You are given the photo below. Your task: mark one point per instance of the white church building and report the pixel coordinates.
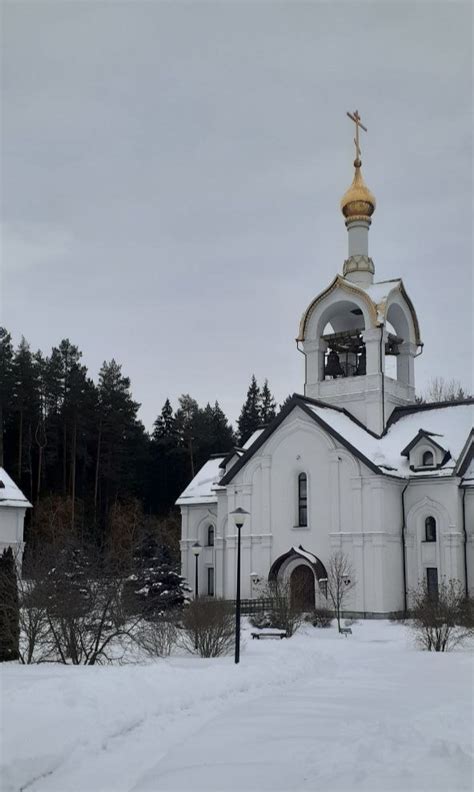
(353, 464)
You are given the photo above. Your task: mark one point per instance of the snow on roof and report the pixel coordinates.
(202, 488)
(451, 423)
(252, 438)
(10, 494)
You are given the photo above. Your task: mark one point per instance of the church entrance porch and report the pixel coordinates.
(302, 589)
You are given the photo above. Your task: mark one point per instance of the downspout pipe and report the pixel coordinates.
(404, 556)
(305, 364)
(383, 377)
(466, 582)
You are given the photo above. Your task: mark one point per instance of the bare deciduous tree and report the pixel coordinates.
(441, 390)
(341, 580)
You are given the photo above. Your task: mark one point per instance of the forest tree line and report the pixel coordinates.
(80, 453)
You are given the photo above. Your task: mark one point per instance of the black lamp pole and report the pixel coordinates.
(237, 601)
(238, 516)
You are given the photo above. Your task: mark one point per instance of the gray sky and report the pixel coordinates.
(172, 175)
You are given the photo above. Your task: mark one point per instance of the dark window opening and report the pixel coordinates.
(428, 459)
(302, 500)
(210, 536)
(430, 529)
(432, 581)
(210, 581)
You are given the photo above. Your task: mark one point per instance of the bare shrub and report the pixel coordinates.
(441, 621)
(72, 610)
(208, 627)
(282, 612)
(157, 638)
(320, 617)
(341, 580)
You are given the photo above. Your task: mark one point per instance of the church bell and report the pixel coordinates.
(333, 367)
(362, 364)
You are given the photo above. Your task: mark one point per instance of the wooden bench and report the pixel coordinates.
(345, 631)
(271, 634)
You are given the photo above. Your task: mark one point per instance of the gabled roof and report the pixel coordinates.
(10, 494)
(422, 435)
(382, 454)
(466, 456)
(305, 404)
(201, 489)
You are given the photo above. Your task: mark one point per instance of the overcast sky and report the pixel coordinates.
(171, 177)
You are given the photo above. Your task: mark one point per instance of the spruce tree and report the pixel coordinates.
(267, 405)
(9, 610)
(6, 383)
(250, 416)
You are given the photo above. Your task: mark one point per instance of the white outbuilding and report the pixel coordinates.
(13, 506)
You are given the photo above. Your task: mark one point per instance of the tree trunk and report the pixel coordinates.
(97, 465)
(64, 457)
(20, 446)
(73, 471)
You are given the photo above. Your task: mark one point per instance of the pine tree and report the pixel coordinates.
(118, 427)
(9, 610)
(25, 401)
(6, 383)
(186, 418)
(250, 416)
(267, 405)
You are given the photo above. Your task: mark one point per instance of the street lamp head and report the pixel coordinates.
(239, 516)
(196, 548)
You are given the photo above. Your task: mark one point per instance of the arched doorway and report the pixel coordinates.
(302, 588)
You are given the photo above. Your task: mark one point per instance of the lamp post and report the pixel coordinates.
(196, 548)
(238, 516)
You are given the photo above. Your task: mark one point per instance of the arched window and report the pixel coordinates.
(302, 500)
(428, 459)
(430, 529)
(210, 536)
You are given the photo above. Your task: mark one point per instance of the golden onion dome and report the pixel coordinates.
(358, 203)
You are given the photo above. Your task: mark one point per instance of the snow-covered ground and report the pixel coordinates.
(317, 712)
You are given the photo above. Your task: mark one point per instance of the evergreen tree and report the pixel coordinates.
(164, 428)
(186, 419)
(267, 405)
(9, 610)
(250, 416)
(6, 383)
(118, 426)
(25, 401)
(155, 585)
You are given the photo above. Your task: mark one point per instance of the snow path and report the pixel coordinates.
(318, 711)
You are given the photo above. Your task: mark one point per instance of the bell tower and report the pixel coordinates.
(360, 337)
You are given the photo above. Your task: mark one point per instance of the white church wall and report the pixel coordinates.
(195, 522)
(439, 498)
(469, 523)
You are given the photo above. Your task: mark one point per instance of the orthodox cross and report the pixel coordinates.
(355, 117)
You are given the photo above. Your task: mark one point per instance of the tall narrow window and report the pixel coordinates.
(210, 581)
(430, 529)
(302, 500)
(210, 536)
(432, 581)
(428, 459)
